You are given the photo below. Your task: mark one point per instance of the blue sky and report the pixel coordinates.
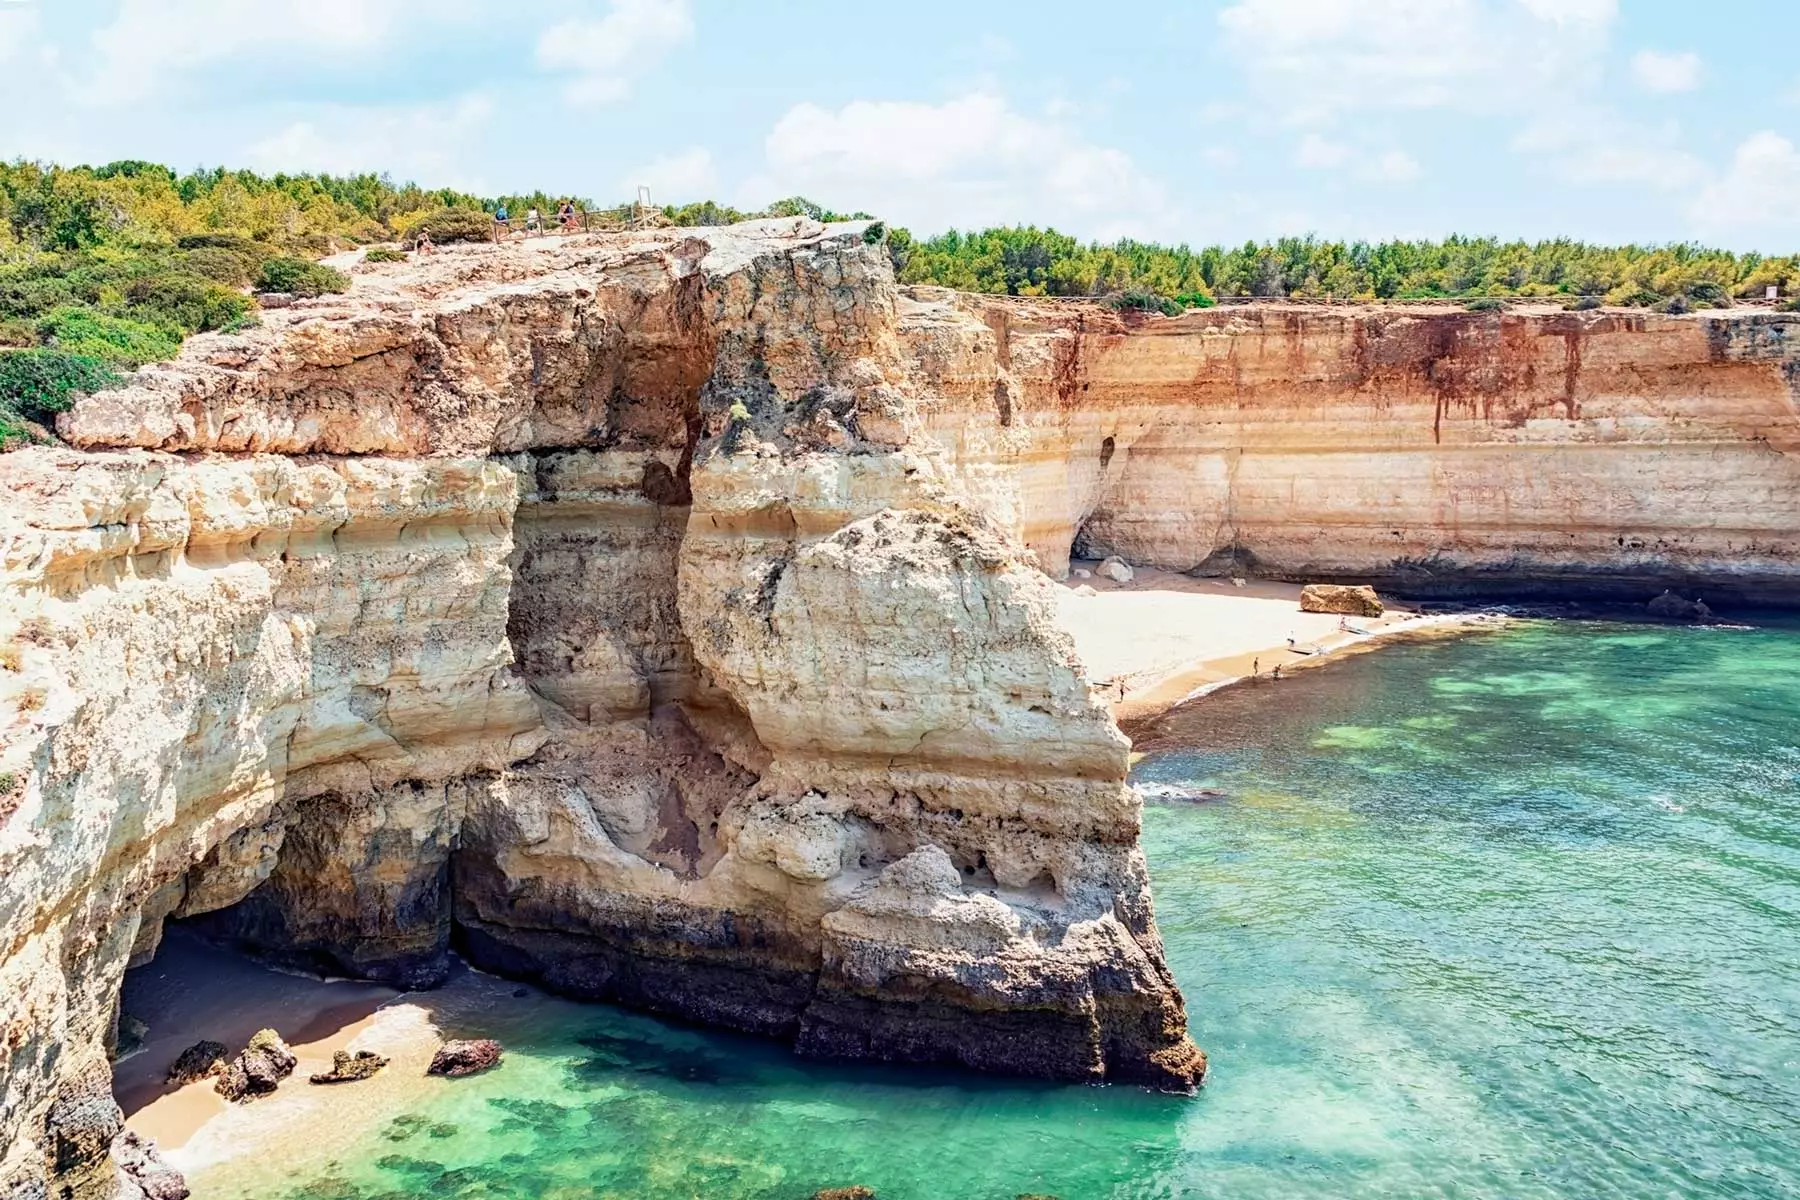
(1612, 120)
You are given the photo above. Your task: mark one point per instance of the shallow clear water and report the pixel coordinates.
(1517, 915)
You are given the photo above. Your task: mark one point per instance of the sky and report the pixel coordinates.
(1199, 121)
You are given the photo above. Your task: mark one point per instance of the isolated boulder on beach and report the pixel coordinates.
(1338, 598)
(1117, 570)
(199, 1061)
(265, 1062)
(456, 1058)
(348, 1068)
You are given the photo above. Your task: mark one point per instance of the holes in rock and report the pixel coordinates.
(1106, 452)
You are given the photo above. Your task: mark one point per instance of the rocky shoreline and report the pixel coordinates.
(671, 618)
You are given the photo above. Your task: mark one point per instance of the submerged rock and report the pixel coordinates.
(199, 1061)
(143, 1173)
(348, 1068)
(1338, 598)
(855, 1192)
(457, 1058)
(265, 1062)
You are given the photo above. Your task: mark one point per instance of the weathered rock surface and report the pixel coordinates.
(202, 1060)
(1433, 451)
(461, 608)
(259, 1069)
(349, 1068)
(1337, 598)
(457, 1058)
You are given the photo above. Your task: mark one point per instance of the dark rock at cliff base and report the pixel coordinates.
(464, 1057)
(143, 1173)
(1337, 598)
(858, 1192)
(1671, 607)
(265, 1062)
(198, 1061)
(348, 1068)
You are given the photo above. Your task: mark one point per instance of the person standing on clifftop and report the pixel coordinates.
(533, 222)
(502, 222)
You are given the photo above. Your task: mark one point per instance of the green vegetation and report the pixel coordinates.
(37, 384)
(298, 277)
(106, 268)
(1027, 261)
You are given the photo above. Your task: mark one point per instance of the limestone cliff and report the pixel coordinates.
(665, 617)
(1431, 450)
(463, 610)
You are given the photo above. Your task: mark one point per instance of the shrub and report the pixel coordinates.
(1584, 304)
(38, 384)
(84, 333)
(221, 239)
(1675, 306)
(188, 302)
(874, 233)
(1194, 300)
(1143, 300)
(454, 225)
(1708, 295)
(1486, 304)
(1791, 306)
(18, 333)
(384, 254)
(235, 268)
(300, 277)
(33, 296)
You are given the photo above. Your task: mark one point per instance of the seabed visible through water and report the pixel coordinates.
(1512, 916)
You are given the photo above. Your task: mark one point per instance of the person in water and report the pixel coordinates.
(1277, 672)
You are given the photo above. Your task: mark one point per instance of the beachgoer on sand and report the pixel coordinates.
(1278, 672)
(1255, 667)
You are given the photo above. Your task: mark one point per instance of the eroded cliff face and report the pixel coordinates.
(461, 611)
(1602, 453)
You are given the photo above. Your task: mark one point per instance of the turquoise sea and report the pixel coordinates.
(1516, 915)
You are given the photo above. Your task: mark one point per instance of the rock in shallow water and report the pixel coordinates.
(143, 1173)
(457, 1058)
(348, 1068)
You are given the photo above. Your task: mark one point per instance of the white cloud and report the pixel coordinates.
(1318, 153)
(675, 178)
(418, 142)
(967, 162)
(151, 41)
(1594, 145)
(1665, 73)
(1761, 191)
(1394, 166)
(607, 54)
(1316, 60)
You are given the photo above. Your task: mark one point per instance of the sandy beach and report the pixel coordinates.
(1166, 638)
(193, 991)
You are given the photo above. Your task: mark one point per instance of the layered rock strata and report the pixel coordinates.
(464, 610)
(664, 617)
(1428, 450)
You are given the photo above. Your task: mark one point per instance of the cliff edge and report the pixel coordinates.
(601, 608)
